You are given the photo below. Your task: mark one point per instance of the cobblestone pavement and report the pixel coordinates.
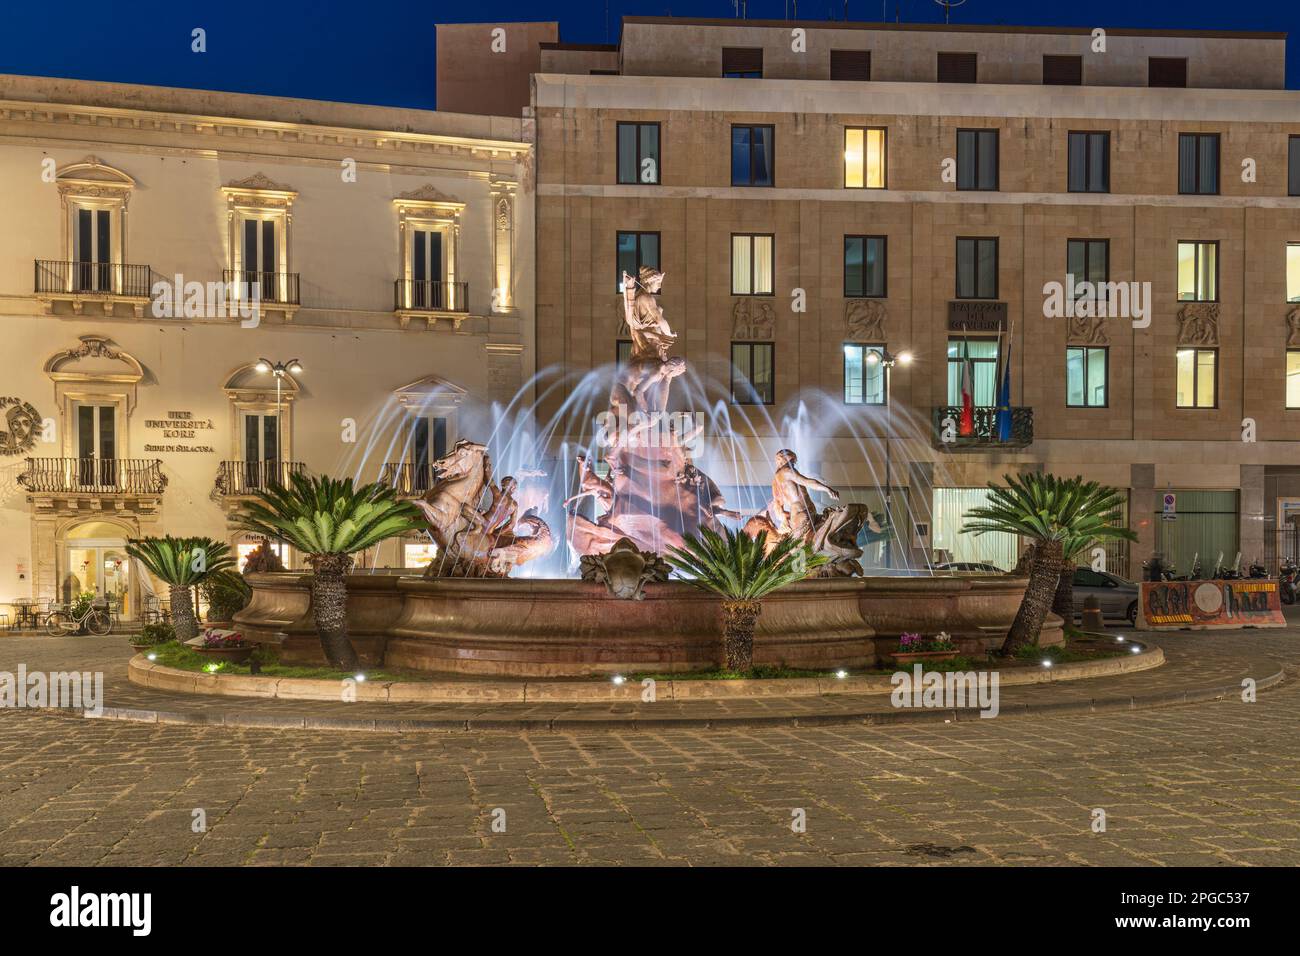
(1202, 784)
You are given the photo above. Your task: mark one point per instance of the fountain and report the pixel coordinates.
(478, 608)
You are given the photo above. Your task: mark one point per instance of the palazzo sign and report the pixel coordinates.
(183, 426)
(1210, 605)
(969, 315)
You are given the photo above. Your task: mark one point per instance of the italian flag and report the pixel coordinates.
(966, 425)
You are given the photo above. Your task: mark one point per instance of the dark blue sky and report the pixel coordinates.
(384, 52)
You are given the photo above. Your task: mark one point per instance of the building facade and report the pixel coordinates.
(203, 292)
(825, 198)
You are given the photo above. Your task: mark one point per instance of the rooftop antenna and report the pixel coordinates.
(947, 7)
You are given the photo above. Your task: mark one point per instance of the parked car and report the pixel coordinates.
(1117, 596)
(970, 566)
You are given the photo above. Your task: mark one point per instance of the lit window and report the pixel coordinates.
(419, 555)
(1198, 272)
(751, 265)
(1197, 378)
(864, 158)
(983, 357)
(864, 375)
(1085, 377)
(1293, 379)
(1293, 271)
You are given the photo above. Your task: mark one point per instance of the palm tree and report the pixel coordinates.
(329, 521)
(737, 568)
(181, 563)
(1053, 513)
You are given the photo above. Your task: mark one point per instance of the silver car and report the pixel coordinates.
(1117, 596)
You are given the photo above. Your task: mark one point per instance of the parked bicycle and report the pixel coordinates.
(97, 619)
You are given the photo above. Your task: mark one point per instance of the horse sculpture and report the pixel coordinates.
(473, 542)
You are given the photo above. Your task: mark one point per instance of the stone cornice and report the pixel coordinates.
(241, 131)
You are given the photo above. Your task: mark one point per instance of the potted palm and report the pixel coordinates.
(181, 563)
(1052, 513)
(740, 570)
(329, 520)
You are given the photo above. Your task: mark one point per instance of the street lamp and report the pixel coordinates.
(888, 360)
(281, 370)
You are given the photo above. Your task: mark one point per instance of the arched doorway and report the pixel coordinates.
(95, 561)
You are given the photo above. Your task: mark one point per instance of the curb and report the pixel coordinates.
(604, 723)
(147, 674)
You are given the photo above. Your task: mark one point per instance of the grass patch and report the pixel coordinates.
(175, 654)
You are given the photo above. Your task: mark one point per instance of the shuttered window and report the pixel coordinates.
(1063, 70)
(746, 62)
(957, 68)
(1167, 71)
(850, 64)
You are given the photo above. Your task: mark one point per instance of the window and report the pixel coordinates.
(96, 444)
(1167, 71)
(635, 249)
(638, 153)
(864, 376)
(261, 448)
(977, 268)
(1198, 272)
(622, 352)
(1088, 261)
(428, 445)
(850, 64)
(1293, 271)
(1293, 378)
(1198, 163)
(428, 232)
(977, 159)
(751, 373)
(260, 239)
(752, 155)
(864, 157)
(742, 62)
(957, 68)
(751, 264)
(1062, 70)
(1086, 377)
(864, 267)
(1089, 162)
(1198, 378)
(1293, 166)
(983, 357)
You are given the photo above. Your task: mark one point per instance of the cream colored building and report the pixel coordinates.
(390, 252)
(817, 192)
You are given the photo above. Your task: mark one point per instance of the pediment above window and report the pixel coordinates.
(430, 391)
(96, 359)
(259, 190)
(93, 178)
(428, 196)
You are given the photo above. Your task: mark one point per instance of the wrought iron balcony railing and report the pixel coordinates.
(101, 476)
(277, 288)
(407, 479)
(56, 277)
(428, 295)
(240, 478)
(985, 432)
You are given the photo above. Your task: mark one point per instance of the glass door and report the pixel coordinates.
(261, 449)
(260, 253)
(428, 444)
(426, 270)
(93, 251)
(96, 442)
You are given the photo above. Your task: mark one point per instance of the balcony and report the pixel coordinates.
(430, 300)
(103, 283)
(407, 479)
(93, 476)
(984, 436)
(279, 290)
(240, 479)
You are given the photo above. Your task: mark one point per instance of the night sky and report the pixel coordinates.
(383, 53)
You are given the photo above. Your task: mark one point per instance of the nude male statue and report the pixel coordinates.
(790, 494)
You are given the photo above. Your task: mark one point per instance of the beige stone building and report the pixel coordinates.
(158, 244)
(824, 195)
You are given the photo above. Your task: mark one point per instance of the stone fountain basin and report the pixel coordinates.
(530, 628)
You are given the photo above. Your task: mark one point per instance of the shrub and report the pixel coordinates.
(154, 633)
